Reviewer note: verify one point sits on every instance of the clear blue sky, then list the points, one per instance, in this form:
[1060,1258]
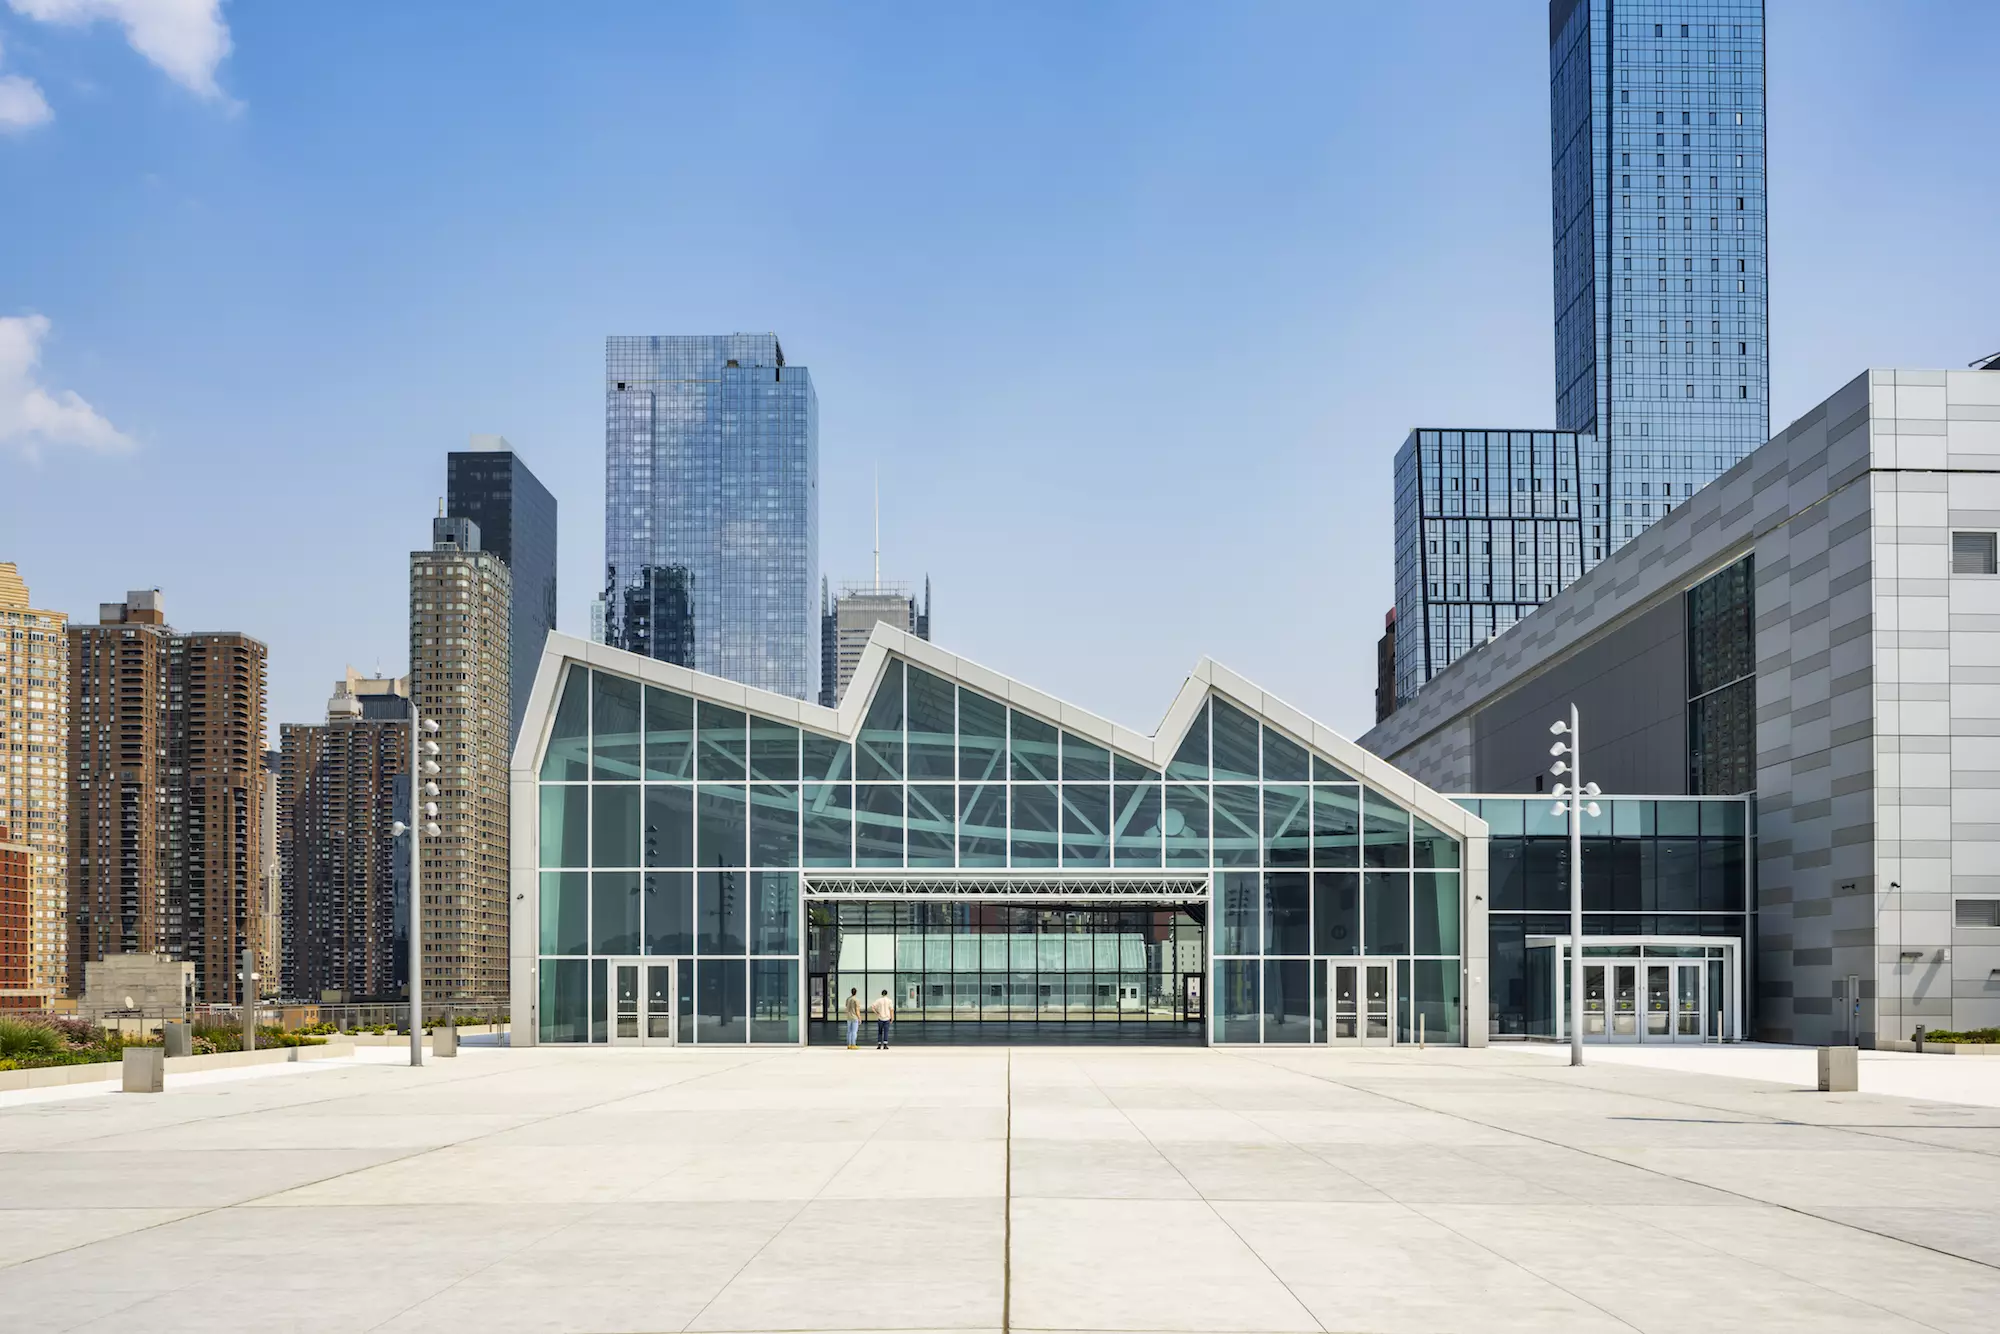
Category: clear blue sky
[1131,303]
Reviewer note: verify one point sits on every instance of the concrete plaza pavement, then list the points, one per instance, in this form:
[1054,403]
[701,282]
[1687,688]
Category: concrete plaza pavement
[986,1189]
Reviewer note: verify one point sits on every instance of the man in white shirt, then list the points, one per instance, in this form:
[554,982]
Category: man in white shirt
[885,1014]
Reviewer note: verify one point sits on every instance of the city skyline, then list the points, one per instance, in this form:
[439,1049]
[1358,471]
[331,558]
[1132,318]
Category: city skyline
[973,415]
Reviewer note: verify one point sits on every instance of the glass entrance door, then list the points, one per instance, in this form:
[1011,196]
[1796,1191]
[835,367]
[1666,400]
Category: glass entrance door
[640,1002]
[1361,997]
[1624,1001]
[1690,1005]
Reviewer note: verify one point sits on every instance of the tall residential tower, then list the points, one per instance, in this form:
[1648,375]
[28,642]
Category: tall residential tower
[711,507]
[166,793]
[489,485]
[1656,116]
[34,777]
[459,647]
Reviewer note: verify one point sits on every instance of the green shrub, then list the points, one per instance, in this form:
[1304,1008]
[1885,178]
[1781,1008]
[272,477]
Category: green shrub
[29,1038]
[1970,1035]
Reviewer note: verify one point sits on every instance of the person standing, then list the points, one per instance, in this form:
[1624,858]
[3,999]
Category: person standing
[853,1018]
[885,1014]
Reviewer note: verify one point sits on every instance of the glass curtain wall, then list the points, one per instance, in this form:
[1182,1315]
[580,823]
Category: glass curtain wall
[682,828]
[1653,867]
[983,971]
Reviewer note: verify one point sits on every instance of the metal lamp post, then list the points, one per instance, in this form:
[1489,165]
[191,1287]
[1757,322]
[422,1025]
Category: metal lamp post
[1571,798]
[424,765]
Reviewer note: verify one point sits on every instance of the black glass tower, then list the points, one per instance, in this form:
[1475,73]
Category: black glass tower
[489,485]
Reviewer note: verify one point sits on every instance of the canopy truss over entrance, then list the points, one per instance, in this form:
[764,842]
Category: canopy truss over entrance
[1011,888]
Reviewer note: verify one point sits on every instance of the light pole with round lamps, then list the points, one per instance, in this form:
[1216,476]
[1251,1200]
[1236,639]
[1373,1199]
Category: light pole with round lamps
[424,767]
[1572,797]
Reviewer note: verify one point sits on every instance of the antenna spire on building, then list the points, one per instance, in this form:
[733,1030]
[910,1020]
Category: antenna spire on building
[878,528]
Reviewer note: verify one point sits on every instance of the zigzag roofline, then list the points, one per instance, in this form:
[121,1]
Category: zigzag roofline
[887,642]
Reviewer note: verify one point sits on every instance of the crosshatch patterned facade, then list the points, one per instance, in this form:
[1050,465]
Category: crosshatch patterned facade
[1661,299]
[711,508]
[782,853]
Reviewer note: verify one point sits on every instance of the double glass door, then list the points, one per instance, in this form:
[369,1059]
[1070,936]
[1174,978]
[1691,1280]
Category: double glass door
[1361,996]
[1649,1001]
[643,1004]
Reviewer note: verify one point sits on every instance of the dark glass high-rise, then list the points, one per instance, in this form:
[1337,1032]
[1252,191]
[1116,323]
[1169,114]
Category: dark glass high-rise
[490,485]
[711,507]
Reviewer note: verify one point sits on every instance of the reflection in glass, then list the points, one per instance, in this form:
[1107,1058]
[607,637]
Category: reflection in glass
[1185,825]
[614,912]
[774,912]
[982,832]
[1233,748]
[719,911]
[878,824]
[1386,914]
[720,824]
[1190,762]
[1239,904]
[565,1001]
[614,819]
[774,825]
[931,726]
[614,725]
[565,839]
[982,738]
[879,754]
[668,838]
[1336,836]
[719,1009]
[829,824]
[1284,759]
[931,823]
[1287,912]
[567,758]
[1086,824]
[1033,744]
[1385,835]
[1287,826]
[774,751]
[1287,1000]
[1336,912]
[1236,1000]
[1084,761]
[669,909]
[1034,821]
[669,735]
[722,747]
[1236,838]
[1136,838]
[565,912]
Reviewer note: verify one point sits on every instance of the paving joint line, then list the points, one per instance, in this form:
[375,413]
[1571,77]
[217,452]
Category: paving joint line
[1669,1176]
[1209,1204]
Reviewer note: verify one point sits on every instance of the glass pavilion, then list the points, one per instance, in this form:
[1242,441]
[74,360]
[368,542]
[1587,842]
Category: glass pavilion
[696,861]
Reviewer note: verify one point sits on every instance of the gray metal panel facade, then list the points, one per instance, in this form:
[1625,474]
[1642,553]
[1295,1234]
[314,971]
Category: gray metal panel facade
[1631,688]
[1878,698]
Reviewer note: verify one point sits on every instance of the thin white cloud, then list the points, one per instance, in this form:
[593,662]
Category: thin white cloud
[22,106]
[186,38]
[34,418]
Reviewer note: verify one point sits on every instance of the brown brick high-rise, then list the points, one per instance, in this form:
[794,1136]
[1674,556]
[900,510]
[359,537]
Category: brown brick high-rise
[166,734]
[459,596]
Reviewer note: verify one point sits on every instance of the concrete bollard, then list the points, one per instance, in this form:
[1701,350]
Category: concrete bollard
[1839,1069]
[444,1040]
[179,1039]
[145,1070]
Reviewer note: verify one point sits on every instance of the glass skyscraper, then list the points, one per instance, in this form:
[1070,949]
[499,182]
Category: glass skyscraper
[711,507]
[1657,149]
[1489,525]
[516,515]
